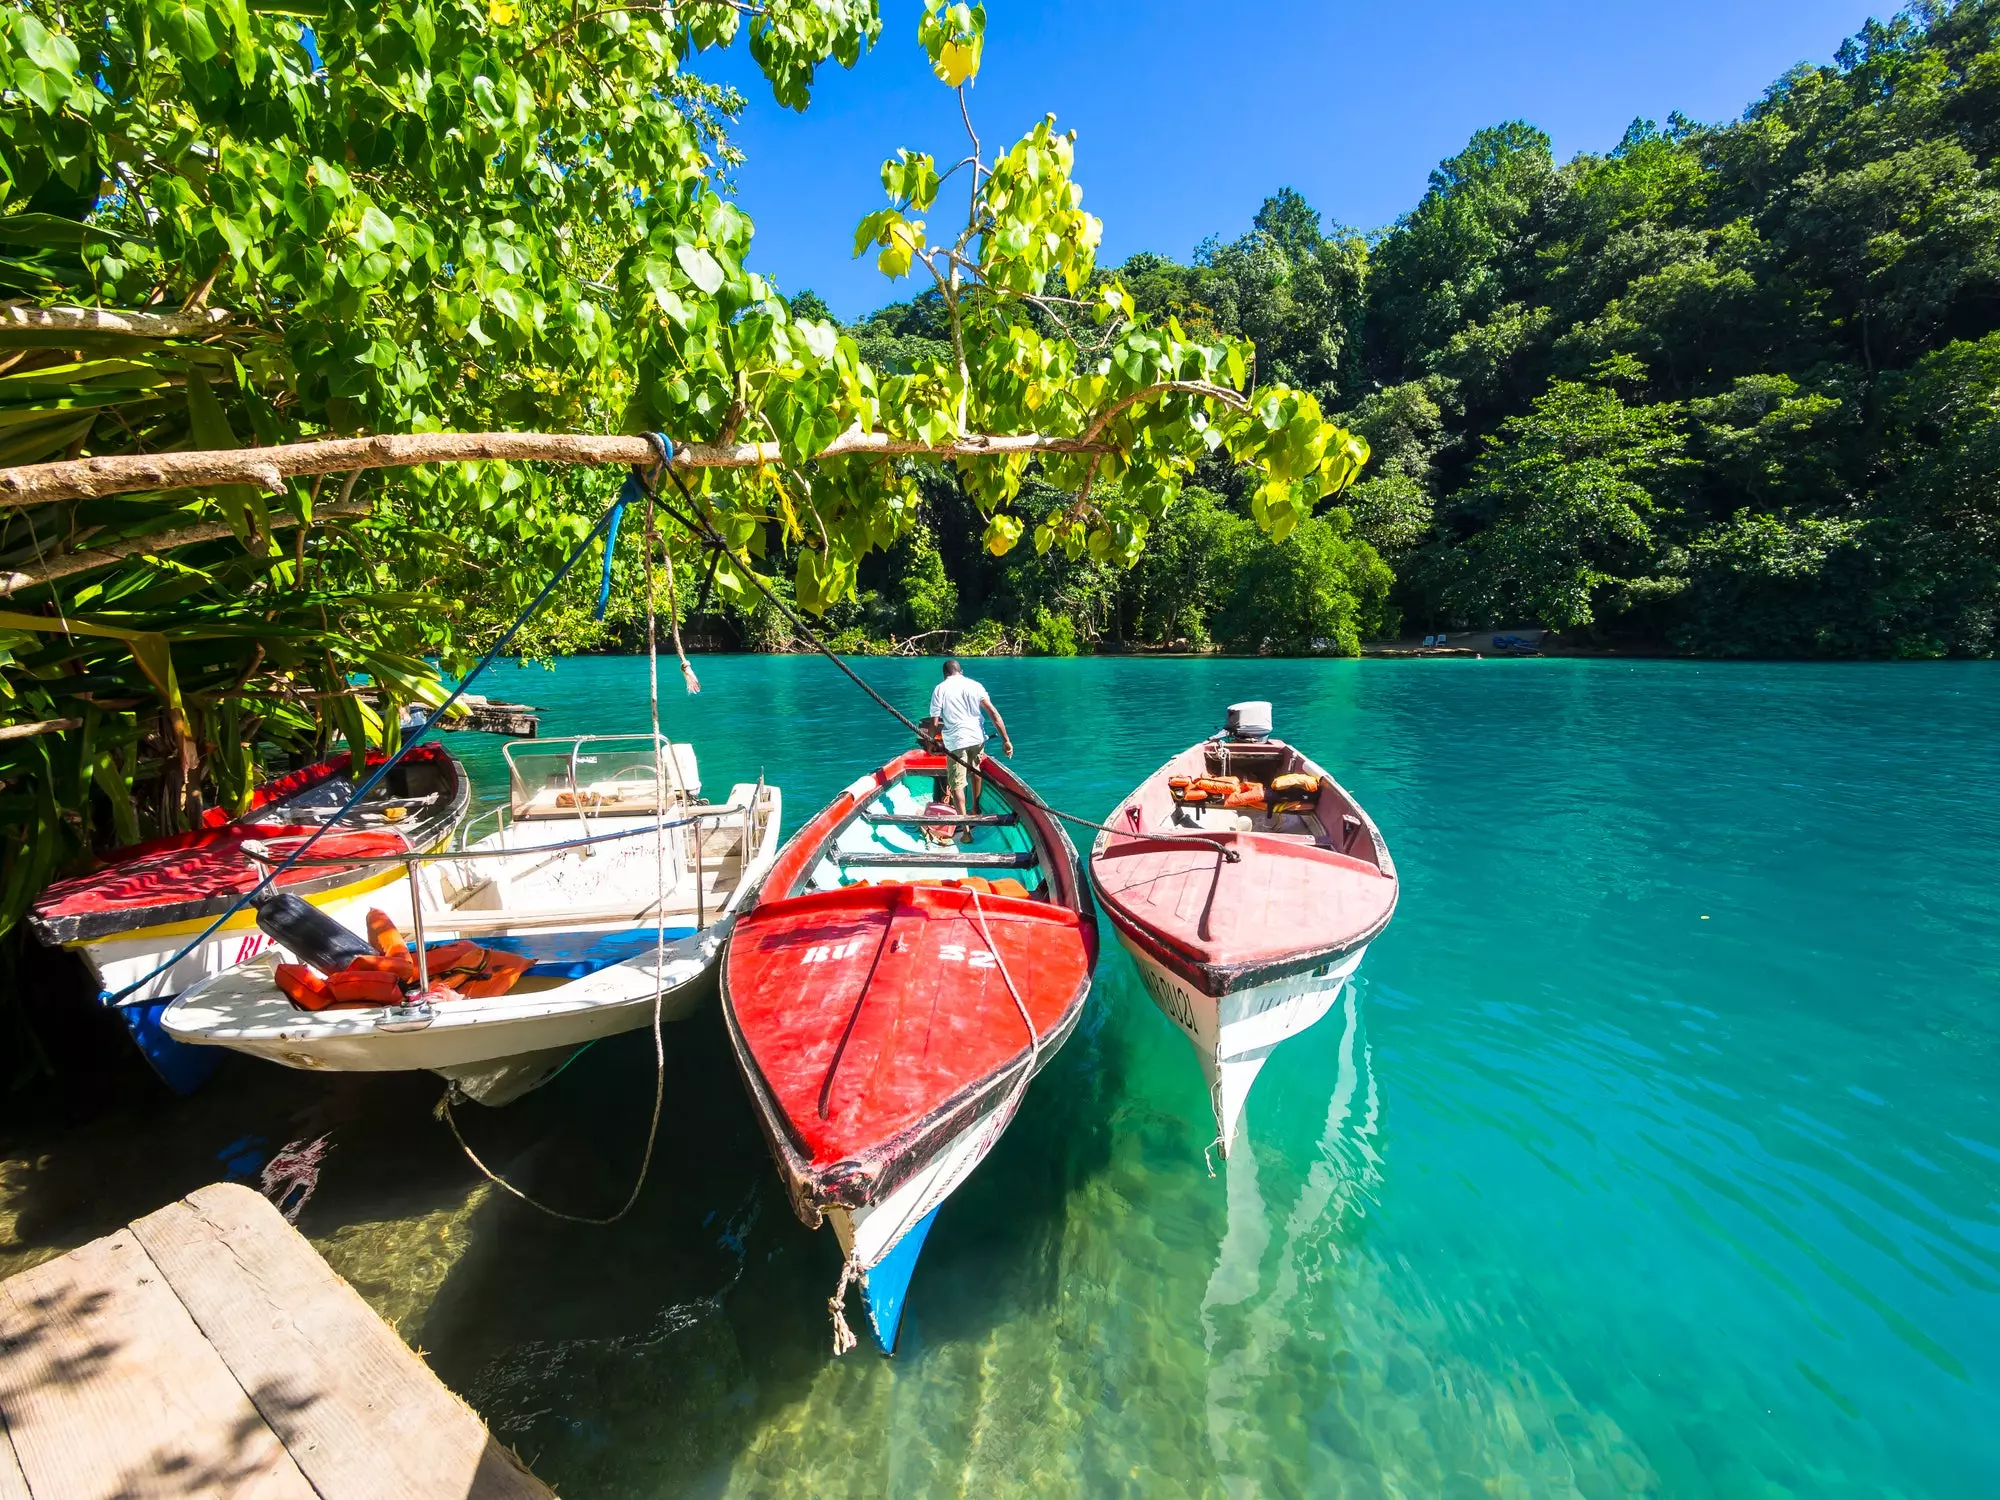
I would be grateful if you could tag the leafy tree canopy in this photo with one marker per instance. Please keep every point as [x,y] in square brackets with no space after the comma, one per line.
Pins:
[475,215]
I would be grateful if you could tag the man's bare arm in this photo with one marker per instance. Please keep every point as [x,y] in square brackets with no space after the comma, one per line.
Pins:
[1006,743]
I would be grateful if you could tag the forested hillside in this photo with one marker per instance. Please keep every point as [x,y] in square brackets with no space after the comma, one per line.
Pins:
[1725,390]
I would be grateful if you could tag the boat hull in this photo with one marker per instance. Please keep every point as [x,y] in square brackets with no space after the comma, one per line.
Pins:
[1245,924]
[125,931]
[885,1241]
[244,1010]
[1234,1034]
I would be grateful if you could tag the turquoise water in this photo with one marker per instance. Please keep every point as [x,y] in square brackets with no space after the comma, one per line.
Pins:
[1656,1152]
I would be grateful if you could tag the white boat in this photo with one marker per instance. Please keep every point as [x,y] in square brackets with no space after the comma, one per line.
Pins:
[1247,912]
[569,873]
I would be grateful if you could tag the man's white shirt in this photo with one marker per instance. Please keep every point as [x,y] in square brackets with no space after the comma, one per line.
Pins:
[955,705]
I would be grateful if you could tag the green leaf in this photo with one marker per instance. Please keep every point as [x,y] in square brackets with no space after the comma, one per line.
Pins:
[377,230]
[700,266]
[185,25]
[910,178]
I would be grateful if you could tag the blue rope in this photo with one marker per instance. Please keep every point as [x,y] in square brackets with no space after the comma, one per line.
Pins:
[633,490]
[626,495]
[633,487]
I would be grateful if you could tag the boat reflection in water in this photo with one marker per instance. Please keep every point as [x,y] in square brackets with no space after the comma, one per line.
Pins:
[1247,1317]
[1246,883]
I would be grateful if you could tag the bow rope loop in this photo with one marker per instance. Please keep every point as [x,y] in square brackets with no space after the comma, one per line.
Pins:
[493,653]
[663,447]
[843,1336]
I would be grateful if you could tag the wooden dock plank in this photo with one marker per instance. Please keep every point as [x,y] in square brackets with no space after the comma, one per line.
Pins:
[360,1413]
[109,1389]
[13,1483]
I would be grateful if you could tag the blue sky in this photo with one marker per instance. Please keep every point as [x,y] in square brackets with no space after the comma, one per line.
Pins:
[1189,115]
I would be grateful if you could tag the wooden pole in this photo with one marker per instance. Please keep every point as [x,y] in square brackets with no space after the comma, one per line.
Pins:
[90,478]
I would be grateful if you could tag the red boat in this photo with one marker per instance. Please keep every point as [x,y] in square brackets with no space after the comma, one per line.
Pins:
[1246,883]
[904,974]
[144,902]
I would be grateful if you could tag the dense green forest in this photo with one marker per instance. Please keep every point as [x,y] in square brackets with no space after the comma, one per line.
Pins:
[1723,390]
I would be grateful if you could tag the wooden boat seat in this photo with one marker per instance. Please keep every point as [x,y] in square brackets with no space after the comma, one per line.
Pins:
[966,859]
[929,820]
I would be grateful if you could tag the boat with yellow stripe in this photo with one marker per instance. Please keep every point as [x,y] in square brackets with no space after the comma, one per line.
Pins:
[142,903]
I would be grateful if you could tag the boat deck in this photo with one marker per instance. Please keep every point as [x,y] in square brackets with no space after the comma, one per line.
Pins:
[207,1350]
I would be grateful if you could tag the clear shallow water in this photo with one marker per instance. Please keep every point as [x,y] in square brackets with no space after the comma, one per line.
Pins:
[1655,1153]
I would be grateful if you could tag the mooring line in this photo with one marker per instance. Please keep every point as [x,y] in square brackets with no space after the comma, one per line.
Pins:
[634,488]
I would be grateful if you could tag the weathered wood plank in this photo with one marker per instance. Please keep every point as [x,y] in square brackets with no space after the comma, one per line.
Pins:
[109,1389]
[362,1415]
[13,1483]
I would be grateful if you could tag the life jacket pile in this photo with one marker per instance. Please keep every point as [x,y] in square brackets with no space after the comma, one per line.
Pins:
[1288,793]
[388,976]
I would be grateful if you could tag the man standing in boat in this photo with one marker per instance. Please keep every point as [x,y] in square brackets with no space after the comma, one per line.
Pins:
[957,704]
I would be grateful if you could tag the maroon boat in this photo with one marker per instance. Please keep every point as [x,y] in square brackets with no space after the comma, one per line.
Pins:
[144,902]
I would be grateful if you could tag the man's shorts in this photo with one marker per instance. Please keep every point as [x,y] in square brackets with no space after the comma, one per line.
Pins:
[961,765]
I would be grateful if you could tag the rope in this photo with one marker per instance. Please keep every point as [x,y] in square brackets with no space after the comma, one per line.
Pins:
[699,525]
[659,933]
[843,1336]
[630,490]
[673,606]
[996,1126]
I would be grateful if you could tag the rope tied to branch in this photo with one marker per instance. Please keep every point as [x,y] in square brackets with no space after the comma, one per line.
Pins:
[632,482]
[699,526]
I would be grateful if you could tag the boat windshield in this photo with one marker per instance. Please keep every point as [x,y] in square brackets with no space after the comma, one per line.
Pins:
[613,774]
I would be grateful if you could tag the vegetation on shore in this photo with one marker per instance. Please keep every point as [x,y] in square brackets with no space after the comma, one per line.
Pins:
[1725,390]
[225,227]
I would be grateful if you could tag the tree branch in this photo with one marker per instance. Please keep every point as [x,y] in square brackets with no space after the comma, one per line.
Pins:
[1091,435]
[187,536]
[198,298]
[89,478]
[152,325]
[45,726]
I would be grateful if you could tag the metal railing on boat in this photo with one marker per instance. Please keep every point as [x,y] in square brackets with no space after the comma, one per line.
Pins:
[419,1012]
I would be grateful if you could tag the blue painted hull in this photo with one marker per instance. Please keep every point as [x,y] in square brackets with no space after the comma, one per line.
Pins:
[181,1067]
[886,1287]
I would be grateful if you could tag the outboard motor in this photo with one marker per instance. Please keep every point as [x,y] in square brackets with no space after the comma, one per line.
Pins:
[1249,721]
